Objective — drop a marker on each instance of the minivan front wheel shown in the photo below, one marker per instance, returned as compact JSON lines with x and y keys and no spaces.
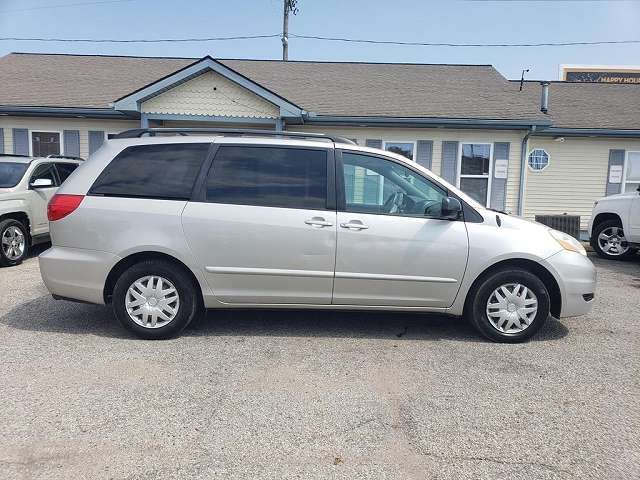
{"x":509,"y":305}
{"x":155,"y":300}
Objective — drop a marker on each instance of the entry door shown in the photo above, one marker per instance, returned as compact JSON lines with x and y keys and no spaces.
{"x":265,"y":232}
{"x":392,"y":247}
{"x":39,"y":197}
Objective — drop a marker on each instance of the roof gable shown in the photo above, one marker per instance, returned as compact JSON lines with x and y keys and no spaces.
{"x":210,"y":94}
{"x":132,"y":102}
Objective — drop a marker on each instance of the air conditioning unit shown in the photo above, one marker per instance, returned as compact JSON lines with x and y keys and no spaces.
{"x":565,"y":223}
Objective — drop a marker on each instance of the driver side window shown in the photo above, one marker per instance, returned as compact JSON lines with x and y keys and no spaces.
{"x":378,"y":186}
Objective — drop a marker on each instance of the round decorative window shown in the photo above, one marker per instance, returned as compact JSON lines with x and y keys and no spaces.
{"x":538,"y":159}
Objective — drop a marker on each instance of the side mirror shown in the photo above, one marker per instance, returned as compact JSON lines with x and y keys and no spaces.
{"x":451,"y":208}
{"x":41,"y":183}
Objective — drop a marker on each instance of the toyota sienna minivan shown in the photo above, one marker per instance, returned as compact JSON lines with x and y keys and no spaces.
{"x":165,"y":223}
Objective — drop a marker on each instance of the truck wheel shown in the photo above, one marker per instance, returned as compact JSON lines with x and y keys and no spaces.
{"x":155,"y":299}
{"x":609,"y":242}
{"x":14,"y":242}
{"x":509,"y":306}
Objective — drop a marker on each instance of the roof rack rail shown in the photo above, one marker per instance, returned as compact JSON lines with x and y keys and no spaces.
{"x":140,"y":132}
{"x":69,"y":157}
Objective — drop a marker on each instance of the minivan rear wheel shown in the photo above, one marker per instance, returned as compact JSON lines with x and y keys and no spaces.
{"x":509,"y":305}
{"x":155,"y":299}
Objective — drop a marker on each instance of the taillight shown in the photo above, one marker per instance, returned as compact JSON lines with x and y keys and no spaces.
{"x":62,"y":205}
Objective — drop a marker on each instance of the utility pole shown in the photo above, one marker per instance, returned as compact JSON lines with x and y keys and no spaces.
{"x":288,"y":6}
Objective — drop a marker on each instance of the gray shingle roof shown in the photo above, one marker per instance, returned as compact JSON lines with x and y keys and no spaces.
{"x":326,"y":88}
{"x":588,"y":105}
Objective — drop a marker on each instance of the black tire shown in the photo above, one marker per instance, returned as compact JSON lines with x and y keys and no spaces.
{"x":5,"y":261}
{"x":189,"y":307}
{"x":596,"y":246}
{"x":476,"y":311}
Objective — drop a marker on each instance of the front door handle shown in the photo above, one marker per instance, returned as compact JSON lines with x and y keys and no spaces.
{"x":354,"y":225}
{"x":318,"y":222}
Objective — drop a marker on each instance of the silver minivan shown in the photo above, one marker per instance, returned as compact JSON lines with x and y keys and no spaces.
{"x":165,"y":223}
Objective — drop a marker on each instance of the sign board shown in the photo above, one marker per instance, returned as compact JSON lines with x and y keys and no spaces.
{"x":615,"y":174}
{"x":625,"y":74}
{"x":500,"y":168}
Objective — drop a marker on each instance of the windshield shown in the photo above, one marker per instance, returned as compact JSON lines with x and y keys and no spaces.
{"x":11,"y":173}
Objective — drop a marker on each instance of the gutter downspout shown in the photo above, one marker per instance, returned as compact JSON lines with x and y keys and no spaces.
{"x":523,"y":165}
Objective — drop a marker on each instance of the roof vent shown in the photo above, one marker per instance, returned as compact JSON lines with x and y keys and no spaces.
{"x":544,"y":99}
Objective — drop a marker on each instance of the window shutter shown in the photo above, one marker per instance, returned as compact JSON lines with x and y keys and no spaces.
{"x":450,"y":161}
{"x":373,"y":143}
{"x":21,"y":141}
{"x":499,"y":185}
{"x":1,"y":140}
{"x":424,"y":152}
{"x":71,"y":143}
{"x":616,"y":158}
{"x":96,"y":139}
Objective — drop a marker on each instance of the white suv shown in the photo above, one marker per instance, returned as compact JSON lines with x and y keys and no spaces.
{"x":26,"y":186}
{"x":614,"y":227}
{"x":163,"y":227}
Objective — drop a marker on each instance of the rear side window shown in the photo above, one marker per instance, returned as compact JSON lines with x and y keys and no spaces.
{"x":65,"y":169}
{"x":269,"y":177}
{"x":166,"y":171}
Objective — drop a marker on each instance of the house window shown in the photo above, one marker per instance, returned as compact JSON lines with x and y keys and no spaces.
{"x":538,"y":159}
{"x":474,"y":168}
{"x":632,"y":172}
{"x":45,"y":143}
{"x":406,"y":149}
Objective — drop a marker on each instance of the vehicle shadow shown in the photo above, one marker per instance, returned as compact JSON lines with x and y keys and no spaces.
{"x":47,"y":315}
{"x":36,"y":250}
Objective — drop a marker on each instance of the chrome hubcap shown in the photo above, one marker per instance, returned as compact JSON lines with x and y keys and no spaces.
{"x":511,"y":308}
{"x":13,"y":243}
{"x":152,"y":301}
{"x":612,"y":241}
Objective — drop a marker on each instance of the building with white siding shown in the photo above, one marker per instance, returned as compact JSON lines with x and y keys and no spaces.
{"x":467,"y":123}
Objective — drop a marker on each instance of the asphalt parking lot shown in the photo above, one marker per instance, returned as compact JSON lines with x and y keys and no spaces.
{"x":317,"y":394}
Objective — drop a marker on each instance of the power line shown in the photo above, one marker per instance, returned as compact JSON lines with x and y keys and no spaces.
{"x":63,"y":5}
{"x":447,"y":44}
{"x":120,"y":40}
{"x":315,"y":37}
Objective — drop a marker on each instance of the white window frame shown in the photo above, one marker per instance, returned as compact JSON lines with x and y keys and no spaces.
{"x":489,"y":176}
{"x":543,"y":168}
{"x":45,"y":130}
{"x":623,"y":187}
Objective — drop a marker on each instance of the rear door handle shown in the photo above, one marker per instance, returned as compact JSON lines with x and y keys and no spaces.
{"x":318,"y":222}
{"x":354,"y":225}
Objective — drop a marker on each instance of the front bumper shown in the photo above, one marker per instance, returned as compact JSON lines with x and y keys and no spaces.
{"x":75,"y":273}
{"x":576,"y":277}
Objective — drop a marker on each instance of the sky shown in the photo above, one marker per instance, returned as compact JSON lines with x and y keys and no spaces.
{"x":457,"y":21}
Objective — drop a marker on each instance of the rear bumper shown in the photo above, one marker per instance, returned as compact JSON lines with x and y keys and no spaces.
{"x":76,"y":274}
{"x":576,"y":277}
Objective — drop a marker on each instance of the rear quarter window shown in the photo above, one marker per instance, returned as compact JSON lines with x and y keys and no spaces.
{"x":163,"y":171}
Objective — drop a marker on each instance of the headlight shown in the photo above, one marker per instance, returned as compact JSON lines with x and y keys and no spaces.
{"x":567,"y":242}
